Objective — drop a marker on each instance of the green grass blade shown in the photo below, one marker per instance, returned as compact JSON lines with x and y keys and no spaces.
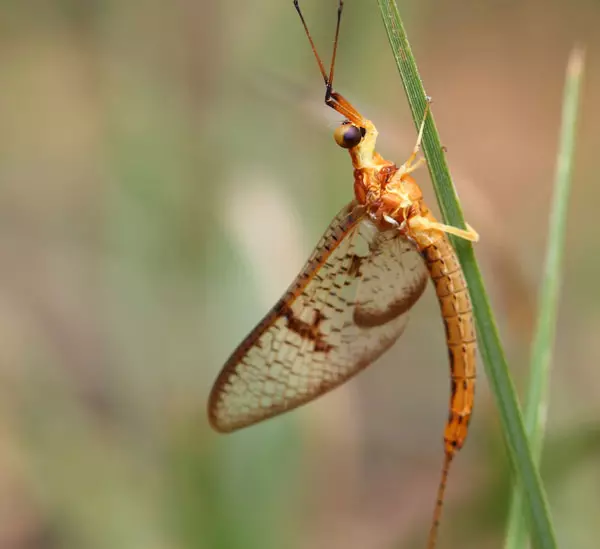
{"x":541,"y":351}
{"x":489,"y":341}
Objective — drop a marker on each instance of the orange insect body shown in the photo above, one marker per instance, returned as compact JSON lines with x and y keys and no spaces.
{"x":349,"y":304}
{"x":392,"y":196}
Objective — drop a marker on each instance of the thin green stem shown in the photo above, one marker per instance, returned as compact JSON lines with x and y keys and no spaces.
{"x":541,"y":350}
{"x":489,"y":339}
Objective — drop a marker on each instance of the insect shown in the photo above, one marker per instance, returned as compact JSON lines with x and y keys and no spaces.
{"x":349,"y":303}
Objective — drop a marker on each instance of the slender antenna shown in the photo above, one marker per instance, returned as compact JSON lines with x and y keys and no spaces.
{"x":332,"y":99}
{"x":312,"y":44}
{"x":335,"y":44}
{"x":437,"y":512}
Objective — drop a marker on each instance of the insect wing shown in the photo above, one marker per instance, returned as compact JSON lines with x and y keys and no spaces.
{"x":344,"y":309}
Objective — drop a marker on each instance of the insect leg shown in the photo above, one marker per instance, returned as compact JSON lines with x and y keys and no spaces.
{"x":407,"y":166}
{"x":420,"y":223}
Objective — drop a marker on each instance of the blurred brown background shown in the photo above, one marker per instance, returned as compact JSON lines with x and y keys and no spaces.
{"x":166,"y":167}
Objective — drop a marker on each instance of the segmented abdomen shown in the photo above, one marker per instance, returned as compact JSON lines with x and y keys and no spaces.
{"x":457,"y":312}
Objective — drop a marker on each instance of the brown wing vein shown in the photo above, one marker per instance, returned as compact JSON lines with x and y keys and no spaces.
{"x":345,"y":308}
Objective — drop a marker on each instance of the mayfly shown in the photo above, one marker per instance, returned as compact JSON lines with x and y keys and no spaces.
{"x":349,"y":303}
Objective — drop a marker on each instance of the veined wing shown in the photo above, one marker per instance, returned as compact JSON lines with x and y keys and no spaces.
{"x":344,"y":309}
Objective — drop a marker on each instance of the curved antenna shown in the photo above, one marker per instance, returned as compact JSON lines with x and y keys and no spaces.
{"x":332,"y":99}
{"x":335,"y":42}
{"x":312,"y":44}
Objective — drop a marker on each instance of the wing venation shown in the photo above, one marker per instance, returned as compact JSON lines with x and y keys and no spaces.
{"x":346,"y":307}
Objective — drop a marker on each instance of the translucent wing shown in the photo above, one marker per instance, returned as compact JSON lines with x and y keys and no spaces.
{"x":344,"y":309}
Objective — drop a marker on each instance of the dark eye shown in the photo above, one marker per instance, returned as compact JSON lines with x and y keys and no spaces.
{"x":348,"y":135}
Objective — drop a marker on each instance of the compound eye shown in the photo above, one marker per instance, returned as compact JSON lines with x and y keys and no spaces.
{"x":348,"y":135}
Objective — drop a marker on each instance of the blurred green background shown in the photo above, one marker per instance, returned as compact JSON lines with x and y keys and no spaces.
{"x":165,"y":169}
